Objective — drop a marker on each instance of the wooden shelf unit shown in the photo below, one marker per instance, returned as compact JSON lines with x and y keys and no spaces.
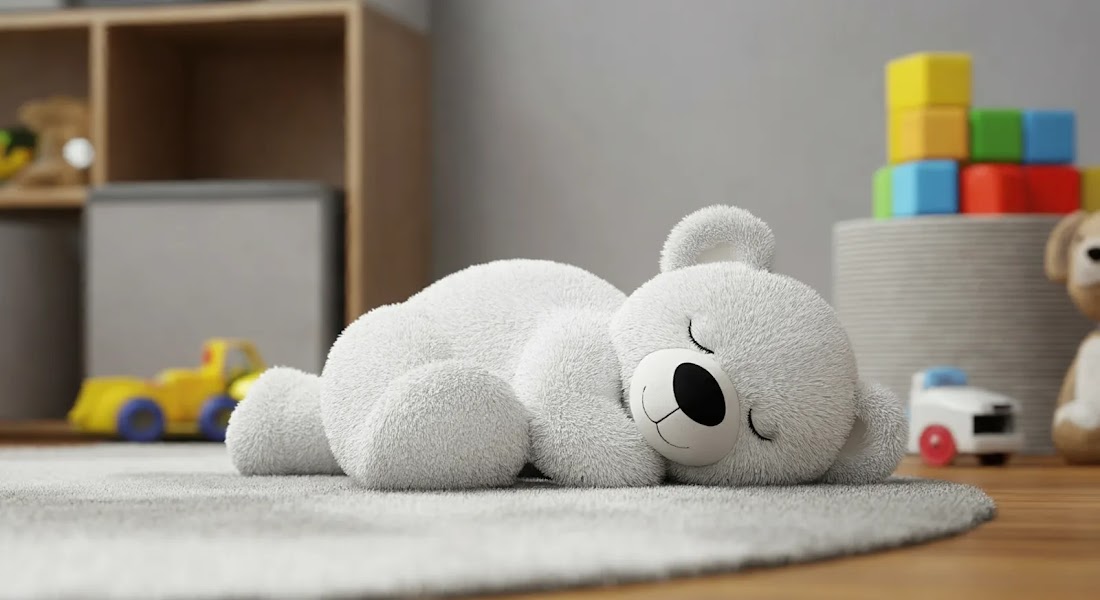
{"x":323,"y":90}
{"x":46,"y":198}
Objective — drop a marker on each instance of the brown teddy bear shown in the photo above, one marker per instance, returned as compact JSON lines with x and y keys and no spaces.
{"x":57,"y":122}
{"x":1073,"y":259}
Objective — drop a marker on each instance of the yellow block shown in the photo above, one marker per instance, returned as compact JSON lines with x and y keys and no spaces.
{"x":928,"y":133}
{"x":1090,"y":188}
{"x":928,"y":79}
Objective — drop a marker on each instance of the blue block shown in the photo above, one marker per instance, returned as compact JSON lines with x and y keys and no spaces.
{"x":926,"y":187}
{"x":1050,"y":137}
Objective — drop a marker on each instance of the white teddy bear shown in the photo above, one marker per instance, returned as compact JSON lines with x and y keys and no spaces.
{"x":714,"y":372}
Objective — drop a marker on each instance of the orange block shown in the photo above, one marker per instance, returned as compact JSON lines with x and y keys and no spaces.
{"x":992,"y":189}
{"x":928,"y":133}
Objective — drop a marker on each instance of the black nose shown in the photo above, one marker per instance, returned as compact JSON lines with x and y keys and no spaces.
{"x":698,"y":394}
{"x":1094,"y":253}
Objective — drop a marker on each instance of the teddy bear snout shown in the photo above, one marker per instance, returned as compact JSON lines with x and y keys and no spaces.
{"x":686,"y":406}
{"x":698,"y":394}
{"x":1085,"y":263}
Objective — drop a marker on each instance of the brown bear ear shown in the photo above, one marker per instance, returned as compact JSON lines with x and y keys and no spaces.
{"x":1056,"y":261}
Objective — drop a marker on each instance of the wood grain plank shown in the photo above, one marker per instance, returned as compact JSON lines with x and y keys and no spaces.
{"x":42,"y":198}
{"x":259,"y":10}
{"x":97,"y":99}
{"x":389,"y":162}
{"x":1044,"y":543}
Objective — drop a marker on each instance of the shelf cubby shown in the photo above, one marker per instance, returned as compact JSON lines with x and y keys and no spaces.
{"x":323,"y":90}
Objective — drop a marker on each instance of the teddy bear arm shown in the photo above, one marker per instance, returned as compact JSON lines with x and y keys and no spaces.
{"x":1076,"y":429}
{"x":581,"y":433}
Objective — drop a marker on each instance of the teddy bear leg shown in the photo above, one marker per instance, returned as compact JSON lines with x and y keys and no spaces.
{"x":276,"y":429}
{"x":402,"y":414}
{"x":581,"y":433}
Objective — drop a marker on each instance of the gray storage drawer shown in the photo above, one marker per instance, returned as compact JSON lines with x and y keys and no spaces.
{"x":39,"y":314}
{"x":172,"y":264}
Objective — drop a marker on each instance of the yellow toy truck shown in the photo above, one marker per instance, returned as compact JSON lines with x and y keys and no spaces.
{"x":178,"y":402}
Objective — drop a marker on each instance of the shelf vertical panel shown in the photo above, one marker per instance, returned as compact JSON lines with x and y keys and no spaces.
{"x":388,"y":171}
{"x":98,"y":99}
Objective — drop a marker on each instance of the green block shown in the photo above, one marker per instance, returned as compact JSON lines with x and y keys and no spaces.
{"x":996,"y":135}
{"x":884,"y":202}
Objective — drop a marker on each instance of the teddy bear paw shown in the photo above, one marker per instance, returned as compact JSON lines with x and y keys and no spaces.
{"x":575,"y":443}
{"x":443,"y":425}
{"x":1084,"y":414}
{"x":277,"y":430}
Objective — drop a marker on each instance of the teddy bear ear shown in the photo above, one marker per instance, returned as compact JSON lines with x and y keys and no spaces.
{"x":716,"y":234}
{"x":1056,"y":259}
{"x":876,"y":441}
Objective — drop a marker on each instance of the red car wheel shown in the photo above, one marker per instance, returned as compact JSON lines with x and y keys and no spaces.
{"x":937,"y":446}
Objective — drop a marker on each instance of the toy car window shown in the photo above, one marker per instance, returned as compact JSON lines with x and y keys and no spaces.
{"x":237,"y":363}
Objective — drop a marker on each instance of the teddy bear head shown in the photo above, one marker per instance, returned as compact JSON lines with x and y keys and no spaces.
{"x":740,"y":376}
{"x":1073,"y":259}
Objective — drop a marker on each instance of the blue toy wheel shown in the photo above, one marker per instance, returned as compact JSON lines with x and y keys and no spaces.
{"x":140,"y":420}
{"x":214,"y":417}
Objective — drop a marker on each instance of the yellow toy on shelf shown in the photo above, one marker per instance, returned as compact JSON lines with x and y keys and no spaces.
{"x":178,"y":402}
{"x":16,"y":151}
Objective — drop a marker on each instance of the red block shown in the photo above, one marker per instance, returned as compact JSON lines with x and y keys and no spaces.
{"x":992,"y":189}
{"x":1052,"y":189}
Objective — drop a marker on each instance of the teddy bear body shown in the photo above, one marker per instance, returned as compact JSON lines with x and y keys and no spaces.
{"x":1073,"y":259}
{"x":487,"y":344}
{"x":714,"y":372}
{"x":488,"y":313}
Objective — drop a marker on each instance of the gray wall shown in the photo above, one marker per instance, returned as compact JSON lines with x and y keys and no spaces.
{"x":581,"y":130}
{"x":414,"y":13}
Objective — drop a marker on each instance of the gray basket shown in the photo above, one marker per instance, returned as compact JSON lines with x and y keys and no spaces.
{"x":170,"y":264}
{"x":963,"y":291}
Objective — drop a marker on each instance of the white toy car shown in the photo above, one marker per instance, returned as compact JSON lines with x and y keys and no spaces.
{"x":948,"y":417}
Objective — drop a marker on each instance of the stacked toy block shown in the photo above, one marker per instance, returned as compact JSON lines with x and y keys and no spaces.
{"x":945,"y":156}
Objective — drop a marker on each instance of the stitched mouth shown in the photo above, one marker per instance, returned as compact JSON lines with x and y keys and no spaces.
{"x":658,"y":428}
{"x":646,"y":412}
{"x":657,"y":424}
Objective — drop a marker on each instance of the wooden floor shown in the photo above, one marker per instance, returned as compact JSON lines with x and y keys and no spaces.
{"x":1044,"y":544}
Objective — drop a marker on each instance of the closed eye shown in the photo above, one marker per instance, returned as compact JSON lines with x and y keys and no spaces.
{"x":752,"y":428}
{"x":696,"y":342}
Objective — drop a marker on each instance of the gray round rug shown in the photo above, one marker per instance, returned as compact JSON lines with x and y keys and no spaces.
{"x":174,"y":521}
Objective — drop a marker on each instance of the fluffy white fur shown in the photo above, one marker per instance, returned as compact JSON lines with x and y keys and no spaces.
{"x":1084,"y":410}
{"x":522,"y":361}
{"x":282,"y":432}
